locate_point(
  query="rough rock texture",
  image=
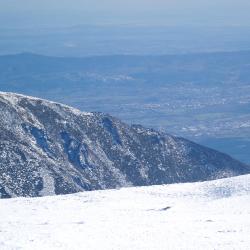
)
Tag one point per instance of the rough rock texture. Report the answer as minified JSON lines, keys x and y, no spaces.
{"x":48,"y":148}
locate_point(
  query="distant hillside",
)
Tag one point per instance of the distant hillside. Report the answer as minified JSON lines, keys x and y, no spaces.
{"x":48,"y":148}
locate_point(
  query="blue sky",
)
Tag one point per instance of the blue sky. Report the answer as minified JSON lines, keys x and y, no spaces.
{"x":148,"y":12}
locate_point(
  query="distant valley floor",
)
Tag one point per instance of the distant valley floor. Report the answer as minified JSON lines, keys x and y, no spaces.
{"x":203,"y":97}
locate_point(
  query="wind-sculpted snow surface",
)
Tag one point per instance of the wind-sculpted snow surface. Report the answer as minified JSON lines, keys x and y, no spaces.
{"x":207,"y":215}
{"x":48,"y":148}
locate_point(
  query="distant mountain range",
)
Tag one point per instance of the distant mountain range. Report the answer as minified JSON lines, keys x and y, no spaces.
{"x":48,"y":148}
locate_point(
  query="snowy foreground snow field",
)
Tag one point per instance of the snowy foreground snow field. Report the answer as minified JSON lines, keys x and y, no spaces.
{"x":209,"y":215}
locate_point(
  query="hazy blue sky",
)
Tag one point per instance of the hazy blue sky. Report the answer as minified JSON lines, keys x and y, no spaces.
{"x":163,"y":12}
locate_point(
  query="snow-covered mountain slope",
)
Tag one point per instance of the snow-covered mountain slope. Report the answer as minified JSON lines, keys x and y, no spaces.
{"x":48,"y":148}
{"x":207,"y":215}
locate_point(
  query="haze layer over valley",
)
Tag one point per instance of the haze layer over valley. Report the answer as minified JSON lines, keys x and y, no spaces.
{"x":203,"y":97}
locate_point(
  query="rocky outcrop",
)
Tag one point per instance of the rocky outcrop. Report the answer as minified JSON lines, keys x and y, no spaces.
{"x":48,"y":148}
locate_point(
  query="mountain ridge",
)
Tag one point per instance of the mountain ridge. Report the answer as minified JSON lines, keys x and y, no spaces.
{"x":48,"y":148}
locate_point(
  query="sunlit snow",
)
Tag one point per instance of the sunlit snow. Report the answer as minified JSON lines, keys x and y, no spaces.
{"x":209,"y":215}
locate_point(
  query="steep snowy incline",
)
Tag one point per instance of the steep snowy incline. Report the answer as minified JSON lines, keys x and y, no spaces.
{"x":208,"y":215}
{"x":48,"y":148}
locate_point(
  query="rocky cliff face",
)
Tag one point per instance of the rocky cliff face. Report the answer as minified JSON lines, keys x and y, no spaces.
{"x":48,"y":148}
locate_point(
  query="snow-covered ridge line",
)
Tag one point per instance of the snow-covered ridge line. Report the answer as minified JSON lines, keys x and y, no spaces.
{"x":215,"y":189}
{"x":13,"y":98}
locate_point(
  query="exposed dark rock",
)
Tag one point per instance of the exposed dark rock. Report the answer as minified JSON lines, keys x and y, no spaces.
{"x":48,"y":148}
